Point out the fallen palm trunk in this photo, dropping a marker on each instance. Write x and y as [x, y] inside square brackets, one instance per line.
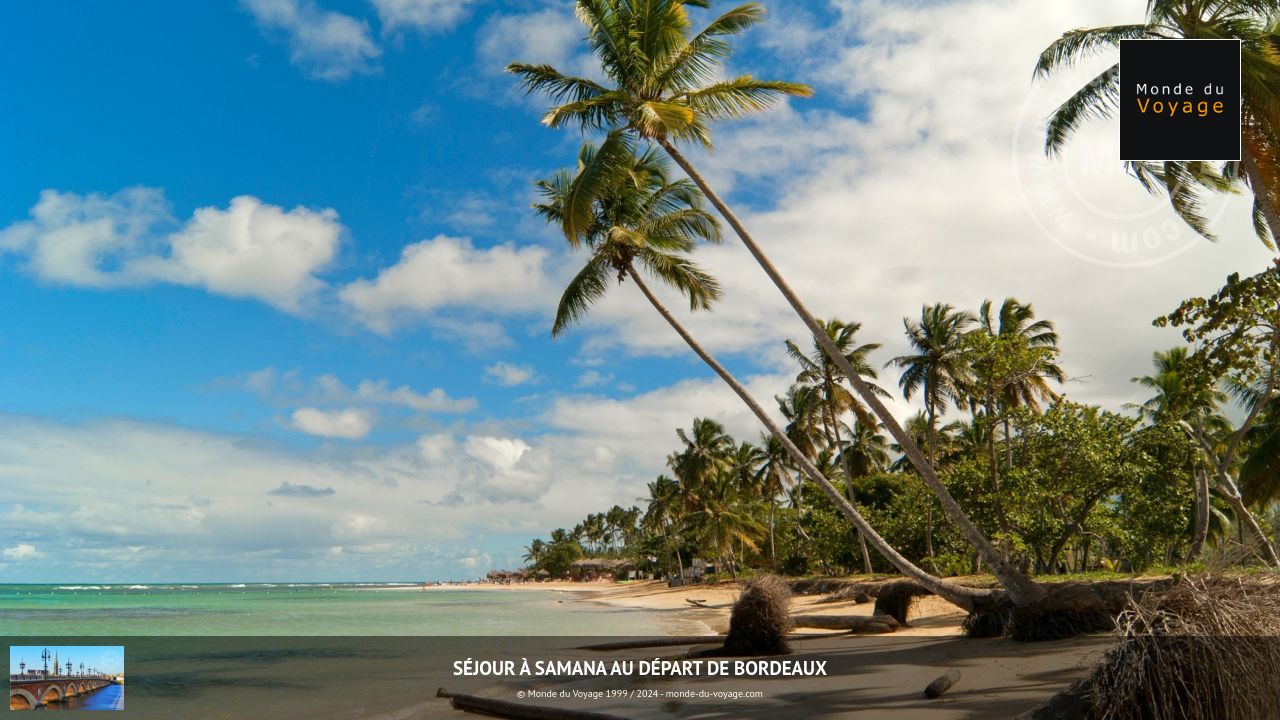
[852, 623]
[518, 711]
[942, 684]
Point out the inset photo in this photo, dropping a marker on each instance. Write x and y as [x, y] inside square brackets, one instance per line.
[66, 677]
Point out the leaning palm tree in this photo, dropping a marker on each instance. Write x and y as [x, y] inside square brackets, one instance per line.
[937, 366]
[1245, 20]
[642, 218]
[663, 87]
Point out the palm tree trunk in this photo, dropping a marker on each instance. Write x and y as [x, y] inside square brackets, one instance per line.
[932, 439]
[773, 548]
[1008, 444]
[1228, 490]
[960, 595]
[1021, 589]
[1201, 532]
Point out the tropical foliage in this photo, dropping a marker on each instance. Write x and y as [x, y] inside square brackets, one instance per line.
[1075, 487]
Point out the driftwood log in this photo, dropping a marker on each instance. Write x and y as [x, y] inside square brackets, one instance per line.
[518, 711]
[942, 684]
[852, 623]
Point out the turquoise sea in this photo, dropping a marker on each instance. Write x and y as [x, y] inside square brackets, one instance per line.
[301, 609]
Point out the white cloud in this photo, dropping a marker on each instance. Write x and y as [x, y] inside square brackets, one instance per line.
[291, 388]
[501, 453]
[551, 36]
[505, 373]
[248, 250]
[22, 551]
[252, 250]
[593, 378]
[920, 201]
[434, 400]
[450, 272]
[325, 44]
[350, 424]
[423, 15]
[195, 505]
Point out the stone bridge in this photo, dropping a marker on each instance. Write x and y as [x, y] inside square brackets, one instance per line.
[27, 692]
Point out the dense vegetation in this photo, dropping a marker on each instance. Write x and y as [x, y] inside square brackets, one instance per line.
[1060, 486]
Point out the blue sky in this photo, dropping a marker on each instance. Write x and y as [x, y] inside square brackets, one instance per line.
[275, 307]
[105, 658]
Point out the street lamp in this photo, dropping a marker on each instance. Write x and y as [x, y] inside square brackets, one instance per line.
[22, 667]
[45, 656]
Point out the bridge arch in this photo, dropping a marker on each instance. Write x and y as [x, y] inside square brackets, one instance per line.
[53, 693]
[20, 699]
[70, 690]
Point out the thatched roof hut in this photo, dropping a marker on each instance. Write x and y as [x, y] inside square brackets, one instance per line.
[599, 566]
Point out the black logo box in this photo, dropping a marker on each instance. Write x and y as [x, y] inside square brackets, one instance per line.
[1189, 65]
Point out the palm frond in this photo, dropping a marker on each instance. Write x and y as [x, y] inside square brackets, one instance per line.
[695, 63]
[547, 80]
[598, 172]
[588, 286]
[1082, 42]
[683, 274]
[1098, 99]
[741, 96]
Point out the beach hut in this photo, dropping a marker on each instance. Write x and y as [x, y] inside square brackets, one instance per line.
[595, 569]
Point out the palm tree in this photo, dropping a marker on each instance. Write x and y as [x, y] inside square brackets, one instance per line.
[727, 518]
[535, 552]
[937, 368]
[1177, 399]
[1016, 322]
[772, 477]
[632, 224]
[1245, 20]
[662, 86]
[666, 513]
[707, 451]
[819, 372]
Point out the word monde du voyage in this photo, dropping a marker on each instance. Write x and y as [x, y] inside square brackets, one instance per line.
[1174, 100]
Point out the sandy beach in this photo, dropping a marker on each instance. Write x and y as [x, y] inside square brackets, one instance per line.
[871, 676]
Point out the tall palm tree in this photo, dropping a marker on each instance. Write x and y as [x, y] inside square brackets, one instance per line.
[1245, 20]
[535, 551]
[834, 400]
[937, 367]
[1016, 322]
[707, 450]
[727, 518]
[819, 371]
[1176, 400]
[630, 226]
[772, 477]
[663, 86]
[666, 512]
